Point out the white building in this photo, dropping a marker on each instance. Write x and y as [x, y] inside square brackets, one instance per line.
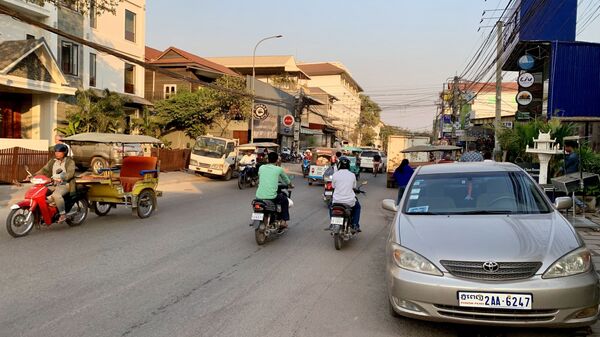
[39, 70]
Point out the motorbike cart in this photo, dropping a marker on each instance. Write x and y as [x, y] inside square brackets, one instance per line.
[322, 159]
[134, 187]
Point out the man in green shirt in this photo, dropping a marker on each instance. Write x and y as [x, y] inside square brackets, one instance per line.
[268, 182]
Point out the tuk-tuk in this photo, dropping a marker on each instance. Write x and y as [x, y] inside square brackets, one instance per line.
[248, 172]
[257, 148]
[322, 159]
[133, 184]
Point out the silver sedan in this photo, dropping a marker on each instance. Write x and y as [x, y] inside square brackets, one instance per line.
[480, 243]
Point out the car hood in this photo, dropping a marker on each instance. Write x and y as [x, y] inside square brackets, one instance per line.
[515, 238]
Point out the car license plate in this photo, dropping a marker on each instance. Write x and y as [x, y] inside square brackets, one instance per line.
[258, 216]
[328, 192]
[495, 300]
[337, 221]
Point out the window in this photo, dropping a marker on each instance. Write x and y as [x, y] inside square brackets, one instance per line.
[92, 70]
[29, 37]
[129, 26]
[170, 90]
[129, 78]
[93, 14]
[69, 55]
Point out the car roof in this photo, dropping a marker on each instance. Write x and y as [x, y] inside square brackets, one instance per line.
[468, 167]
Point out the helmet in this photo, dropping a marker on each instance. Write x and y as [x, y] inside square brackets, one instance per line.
[61, 148]
[344, 163]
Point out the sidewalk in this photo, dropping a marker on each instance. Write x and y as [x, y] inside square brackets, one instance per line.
[9, 194]
[592, 239]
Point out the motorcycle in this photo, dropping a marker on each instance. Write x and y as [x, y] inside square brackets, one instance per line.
[248, 176]
[328, 187]
[266, 217]
[341, 221]
[305, 167]
[36, 210]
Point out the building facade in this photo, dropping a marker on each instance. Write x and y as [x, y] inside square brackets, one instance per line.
[41, 71]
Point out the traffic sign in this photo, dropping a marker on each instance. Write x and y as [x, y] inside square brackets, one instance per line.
[288, 120]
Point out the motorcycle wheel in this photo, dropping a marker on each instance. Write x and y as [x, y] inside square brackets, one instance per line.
[101, 208]
[337, 241]
[241, 179]
[16, 224]
[82, 213]
[259, 233]
[146, 203]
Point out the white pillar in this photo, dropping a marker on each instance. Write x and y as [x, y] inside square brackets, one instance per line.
[544, 160]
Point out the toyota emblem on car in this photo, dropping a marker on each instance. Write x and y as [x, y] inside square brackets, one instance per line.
[491, 266]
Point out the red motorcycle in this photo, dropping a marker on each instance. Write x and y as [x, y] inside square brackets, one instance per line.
[35, 209]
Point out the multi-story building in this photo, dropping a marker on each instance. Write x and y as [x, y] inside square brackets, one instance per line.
[40, 70]
[335, 79]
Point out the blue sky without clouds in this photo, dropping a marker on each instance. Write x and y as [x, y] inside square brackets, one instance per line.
[389, 46]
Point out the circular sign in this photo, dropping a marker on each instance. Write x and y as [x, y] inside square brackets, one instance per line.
[526, 62]
[260, 112]
[524, 98]
[288, 120]
[526, 80]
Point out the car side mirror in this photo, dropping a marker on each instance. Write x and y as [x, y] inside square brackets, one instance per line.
[389, 205]
[563, 203]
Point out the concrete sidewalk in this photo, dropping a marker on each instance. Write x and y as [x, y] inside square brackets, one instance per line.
[591, 236]
[9, 194]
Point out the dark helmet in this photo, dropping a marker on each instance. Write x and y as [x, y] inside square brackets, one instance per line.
[344, 164]
[273, 157]
[61, 148]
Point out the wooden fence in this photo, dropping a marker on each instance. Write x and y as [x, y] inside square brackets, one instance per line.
[172, 160]
[13, 161]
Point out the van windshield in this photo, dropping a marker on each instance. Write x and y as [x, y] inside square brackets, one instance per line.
[209, 147]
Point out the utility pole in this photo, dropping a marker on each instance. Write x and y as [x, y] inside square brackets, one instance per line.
[455, 104]
[497, 149]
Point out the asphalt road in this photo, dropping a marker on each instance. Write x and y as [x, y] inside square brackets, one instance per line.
[194, 269]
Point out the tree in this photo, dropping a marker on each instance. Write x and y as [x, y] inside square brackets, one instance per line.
[367, 120]
[84, 6]
[194, 112]
[149, 124]
[96, 113]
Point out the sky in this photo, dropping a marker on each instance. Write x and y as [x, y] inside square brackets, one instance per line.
[400, 52]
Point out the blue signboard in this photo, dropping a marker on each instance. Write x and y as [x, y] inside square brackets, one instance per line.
[526, 62]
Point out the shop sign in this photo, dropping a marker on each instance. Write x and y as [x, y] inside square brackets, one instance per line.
[522, 116]
[260, 112]
[526, 80]
[526, 62]
[524, 97]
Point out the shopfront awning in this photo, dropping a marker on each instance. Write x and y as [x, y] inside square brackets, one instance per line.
[312, 132]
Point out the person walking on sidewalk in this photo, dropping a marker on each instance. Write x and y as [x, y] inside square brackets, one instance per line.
[402, 176]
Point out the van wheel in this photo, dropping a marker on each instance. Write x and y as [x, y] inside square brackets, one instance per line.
[98, 163]
[228, 175]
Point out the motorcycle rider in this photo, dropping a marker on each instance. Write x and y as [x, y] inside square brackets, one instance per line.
[344, 183]
[268, 182]
[61, 169]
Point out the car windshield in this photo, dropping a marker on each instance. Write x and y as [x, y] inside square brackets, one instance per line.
[474, 193]
[209, 147]
[370, 154]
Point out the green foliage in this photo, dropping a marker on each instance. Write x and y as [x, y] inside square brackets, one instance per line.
[83, 6]
[70, 129]
[590, 160]
[193, 112]
[94, 113]
[149, 124]
[368, 119]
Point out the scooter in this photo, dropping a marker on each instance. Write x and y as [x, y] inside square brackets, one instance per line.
[266, 217]
[248, 176]
[35, 209]
[305, 167]
[341, 221]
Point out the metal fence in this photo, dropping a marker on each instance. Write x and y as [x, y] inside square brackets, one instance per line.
[172, 160]
[13, 161]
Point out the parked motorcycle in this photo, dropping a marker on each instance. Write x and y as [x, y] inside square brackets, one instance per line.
[248, 176]
[305, 167]
[35, 209]
[266, 217]
[341, 221]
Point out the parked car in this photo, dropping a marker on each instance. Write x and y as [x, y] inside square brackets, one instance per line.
[480, 243]
[102, 150]
[366, 160]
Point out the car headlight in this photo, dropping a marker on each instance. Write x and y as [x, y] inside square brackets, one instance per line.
[193, 162]
[576, 262]
[409, 260]
[216, 166]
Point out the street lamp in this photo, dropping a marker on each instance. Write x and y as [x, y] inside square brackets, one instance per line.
[253, 79]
